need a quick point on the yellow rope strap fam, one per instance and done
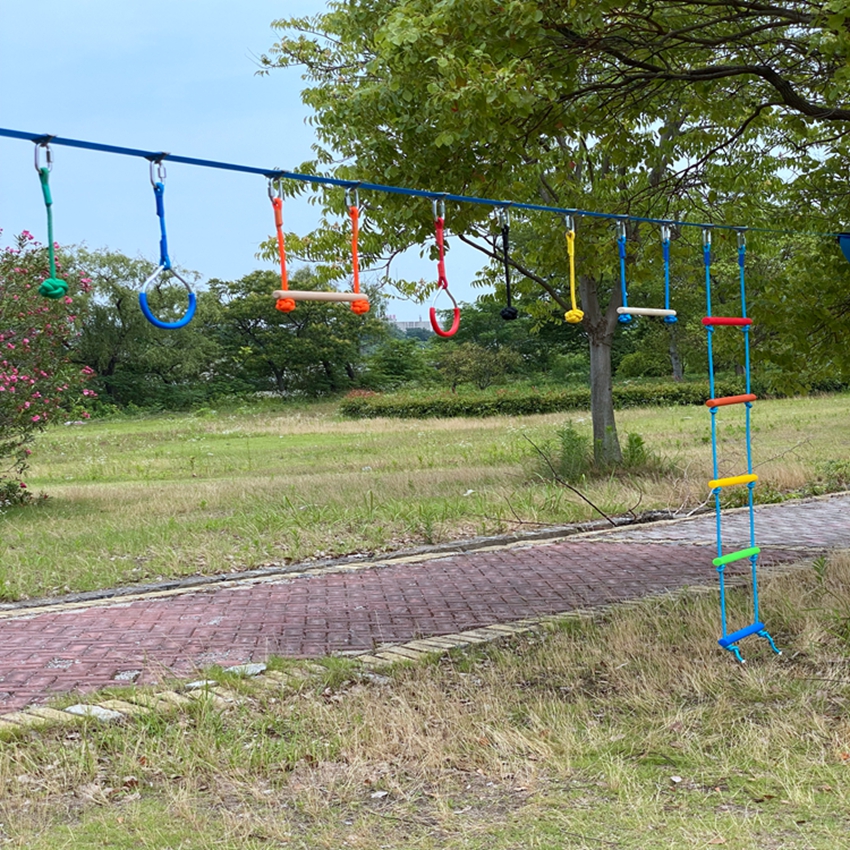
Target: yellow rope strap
(573, 316)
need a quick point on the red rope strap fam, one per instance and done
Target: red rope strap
(443, 282)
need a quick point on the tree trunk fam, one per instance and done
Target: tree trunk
(279, 378)
(675, 357)
(600, 329)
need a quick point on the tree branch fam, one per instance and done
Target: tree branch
(564, 483)
(520, 268)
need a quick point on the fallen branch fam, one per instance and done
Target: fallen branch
(564, 483)
(631, 510)
(782, 454)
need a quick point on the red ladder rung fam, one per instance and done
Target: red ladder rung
(730, 399)
(726, 320)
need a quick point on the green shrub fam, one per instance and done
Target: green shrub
(835, 474)
(524, 401)
(645, 363)
(635, 454)
(575, 453)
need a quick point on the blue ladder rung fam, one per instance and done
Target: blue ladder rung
(725, 642)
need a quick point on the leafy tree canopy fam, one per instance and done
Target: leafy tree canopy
(716, 111)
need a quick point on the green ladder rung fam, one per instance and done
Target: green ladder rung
(736, 556)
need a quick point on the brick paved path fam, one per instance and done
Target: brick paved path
(358, 607)
(817, 524)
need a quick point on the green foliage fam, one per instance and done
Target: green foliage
(38, 382)
(522, 401)
(474, 364)
(835, 474)
(500, 115)
(570, 456)
(536, 344)
(644, 363)
(635, 454)
(14, 494)
(395, 362)
(237, 344)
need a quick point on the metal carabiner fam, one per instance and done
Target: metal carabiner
(706, 237)
(742, 239)
(621, 229)
(570, 223)
(348, 197)
(275, 193)
(665, 233)
(157, 176)
(44, 143)
(439, 211)
(505, 215)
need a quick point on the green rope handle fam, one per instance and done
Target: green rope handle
(52, 287)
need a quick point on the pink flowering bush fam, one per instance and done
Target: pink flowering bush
(38, 382)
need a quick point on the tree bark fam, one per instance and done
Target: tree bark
(675, 357)
(600, 329)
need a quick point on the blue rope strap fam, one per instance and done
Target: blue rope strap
(665, 248)
(623, 318)
(164, 263)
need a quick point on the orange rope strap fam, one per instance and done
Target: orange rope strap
(285, 305)
(362, 305)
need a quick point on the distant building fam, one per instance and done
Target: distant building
(411, 326)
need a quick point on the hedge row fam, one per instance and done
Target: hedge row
(523, 403)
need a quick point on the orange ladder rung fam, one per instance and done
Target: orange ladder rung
(730, 399)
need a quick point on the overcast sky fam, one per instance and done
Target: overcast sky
(170, 76)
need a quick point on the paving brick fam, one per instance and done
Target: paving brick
(373, 660)
(210, 697)
(123, 707)
(95, 712)
(465, 638)
(426, 646)
(26, 719)
(54, 716)
(173, 698)
(407, 652)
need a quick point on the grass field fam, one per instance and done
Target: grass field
(133, 500)
(632, 730)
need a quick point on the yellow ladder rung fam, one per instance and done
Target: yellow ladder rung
(731, 482)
